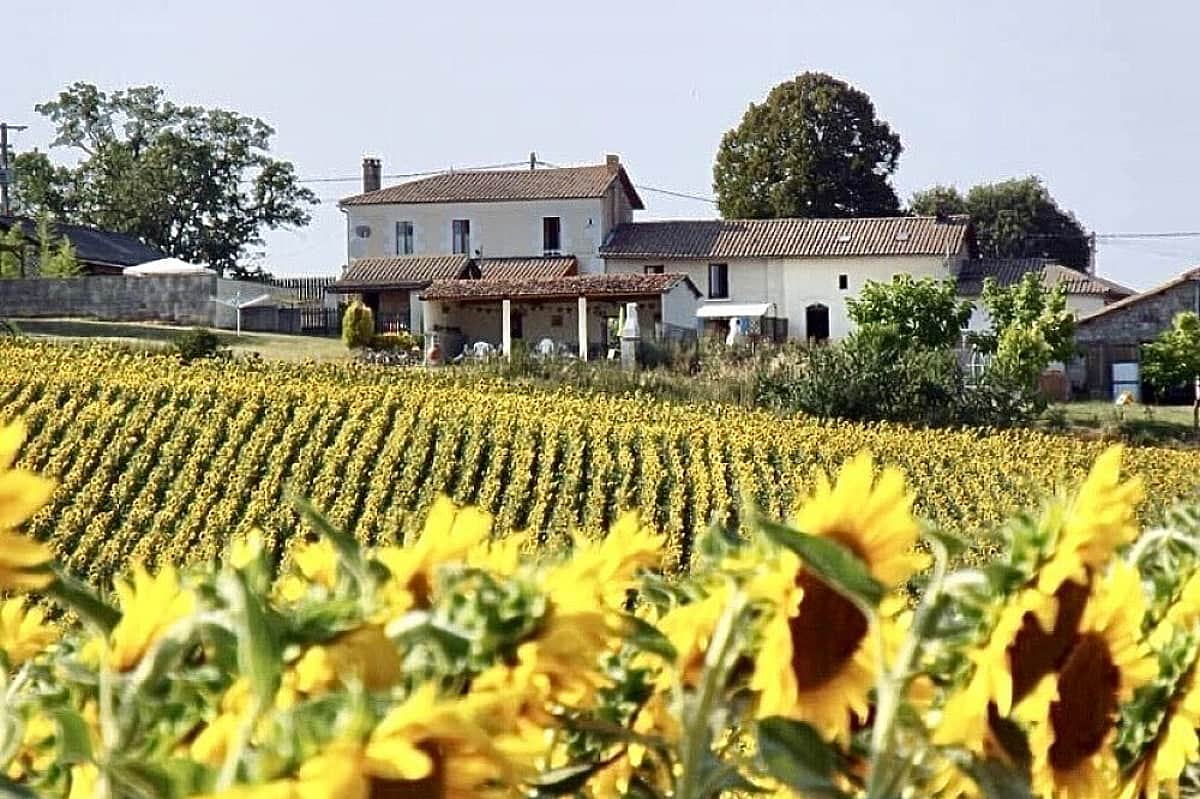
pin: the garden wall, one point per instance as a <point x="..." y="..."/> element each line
<point x="182" y="299"/>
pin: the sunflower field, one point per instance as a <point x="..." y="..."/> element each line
<point x="157" y="462"/>
<point x="826" y="655"/>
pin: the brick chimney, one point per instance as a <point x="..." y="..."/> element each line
<point x="613" y="162"/>
<point x="372" y="174"/>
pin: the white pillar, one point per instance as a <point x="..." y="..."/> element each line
<point x="583" y="329"/>
<point x="506" y="327"/>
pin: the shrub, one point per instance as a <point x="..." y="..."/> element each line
<point x="358" y="326"/>
<point x="392" y="342"/>
<point x="199" y="342"/>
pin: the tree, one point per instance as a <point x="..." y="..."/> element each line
<point x="813" y="148"/>
<point x="62" y="261"/>
<point x="923" y="313"/>
<point x="1013" y="219"/>
<point x="196" y="182"/>
<point x="358" y="325"/>
<point x="1028" y="305"/>
<point x="12" y="249"/>
<point x="1173" y="359"/>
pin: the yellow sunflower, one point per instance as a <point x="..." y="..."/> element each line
<point x="149" y="606"/>
<point x="22" y="493"/>
<point x="1072" y="713"/>
<point x="23" y="632"/>
<point x="1175" y="747"/>
<point x="450" y="534"/>
<point x="1101" y="518"/>
<point x="601" y="572"/>
<point x="817" y="656"/>
<point x="690" y="628"/>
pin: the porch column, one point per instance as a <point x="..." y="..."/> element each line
<point x="583" y="329"/>
<point x="506" y="327"/>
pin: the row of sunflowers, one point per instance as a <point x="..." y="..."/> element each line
<point x="835" y="654"/>
<point x="162" y="463"/>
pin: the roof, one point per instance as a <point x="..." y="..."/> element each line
<point x="517" y="268"/>
<point x="559" y="183"/>
<point x="399" y="272"/>
<point x="1009" y="271"/>
<point x="93" y="245"/>
<point x="782" y="238"/>
<point x="593" y="286"/>
<point x="1191" y="275"/>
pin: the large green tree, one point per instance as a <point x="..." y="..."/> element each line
<point x="1173" y="359"/>
<point x="1013" y="219"/>
<point x="198" y="183"/>
<point x="813" y="148"/>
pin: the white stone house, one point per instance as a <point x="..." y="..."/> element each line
<point x="1086" y="293"/>
<point x="799" y="270"/>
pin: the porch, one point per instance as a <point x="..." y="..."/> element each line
<point x="576" y="316"/>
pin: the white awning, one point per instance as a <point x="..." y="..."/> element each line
<point x="168" y="266"/>
<point x="726" y="310"/>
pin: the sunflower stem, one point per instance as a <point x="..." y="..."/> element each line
<point x="887" y="769"/>
<point x="696" y="726"/>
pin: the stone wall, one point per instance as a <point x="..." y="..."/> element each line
<point x="1141" y="321"/>
<point x="1117" y="335"/>
<point x="182" y="299"/>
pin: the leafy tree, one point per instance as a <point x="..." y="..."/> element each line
<point x="45" y="242"/>
<point x="813" y="148"/>
<point x="1028" y="305"/>
<point x="1173" y="359"/>
<point x="62" y="261"/>
<point x="1013" y="219"/>
<point x="11" y="248"/>
<point x="923" y="313"/>
<point x="196" y="182"/>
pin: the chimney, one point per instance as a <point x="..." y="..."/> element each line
<point x="372" y="174"/>
<point x="613" y="162"/>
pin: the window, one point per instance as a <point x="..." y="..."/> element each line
<point x="654" y="269"/>
<point x="551" y="234"/>
<point x="404" y="238"/>
<point x="556" y="320"/>
<point x="460" y="232"/>
<point x="718" y="281"/>
<point x="843" y="282"/>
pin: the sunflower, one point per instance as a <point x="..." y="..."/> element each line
<point x="149" y="606"/>
<point x="602" y="572"/>
<point x="22" y="493"/>
<point x="690" y="628"/>
<point x="1175" y="747"/>
<point x="1072" y="713"/>
<point x="23" y="632"/>
<point x="450" y="534"/>
<point x="1035" y="630"/>
<point x="817" y="658"/>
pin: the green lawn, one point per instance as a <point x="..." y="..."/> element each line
<point x="272" y="346"/>
<point x="1137" y="423"/>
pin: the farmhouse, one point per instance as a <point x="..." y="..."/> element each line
<point x="1086" y="293"/>
<point x="99" y="252"/>
<point x="790" y="276"/>
<point x="1111" y="338"/>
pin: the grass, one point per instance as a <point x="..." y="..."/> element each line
<point x="1161" y="424"/>
<point x="271" y="346"/>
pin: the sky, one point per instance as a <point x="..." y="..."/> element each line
<point x="1099" y="99"/>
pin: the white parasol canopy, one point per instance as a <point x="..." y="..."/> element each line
<point x="167" y="266"/>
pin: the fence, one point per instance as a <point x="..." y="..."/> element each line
<point x="307" y="290"/>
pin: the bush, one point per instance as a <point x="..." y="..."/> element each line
<point x="393" y="342"/>
<point x="197" y="343"/>
<point x="358" y="326"/>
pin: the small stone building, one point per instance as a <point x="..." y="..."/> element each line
<point x="1111" y="339"/>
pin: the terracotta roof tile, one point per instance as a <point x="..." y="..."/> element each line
<point x="400" y="272"/>
<point x="1009" y="271"/>
<point x="607" y="285"/>
<point x="561" y="183"/>
<point x="516" y="268"/>
<point x="781" y="238"/>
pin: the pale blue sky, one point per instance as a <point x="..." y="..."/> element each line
<point x="1099" y="98"/>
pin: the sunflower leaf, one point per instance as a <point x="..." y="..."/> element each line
<point x="258" y="649"/>
<point x="13" y="790"/>
<point x="347" y="548"/>
<point x="648" y="638"/>
<point x="837" y="566"/>
<point x="795" y="754"/>
<point x="73" y="740"/>
<point x="996" y="781"/>
<point x="566" y="780"/>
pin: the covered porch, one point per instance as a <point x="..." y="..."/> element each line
<point x="759" y="320"/>
<point x="576" y="316"/>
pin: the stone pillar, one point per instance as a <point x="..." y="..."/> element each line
<point x="631" y="336"/>
<point x="506" y="327"/>
<point x="583" y="329"/>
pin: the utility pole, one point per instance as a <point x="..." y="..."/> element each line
<point x="5" y="172"/>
